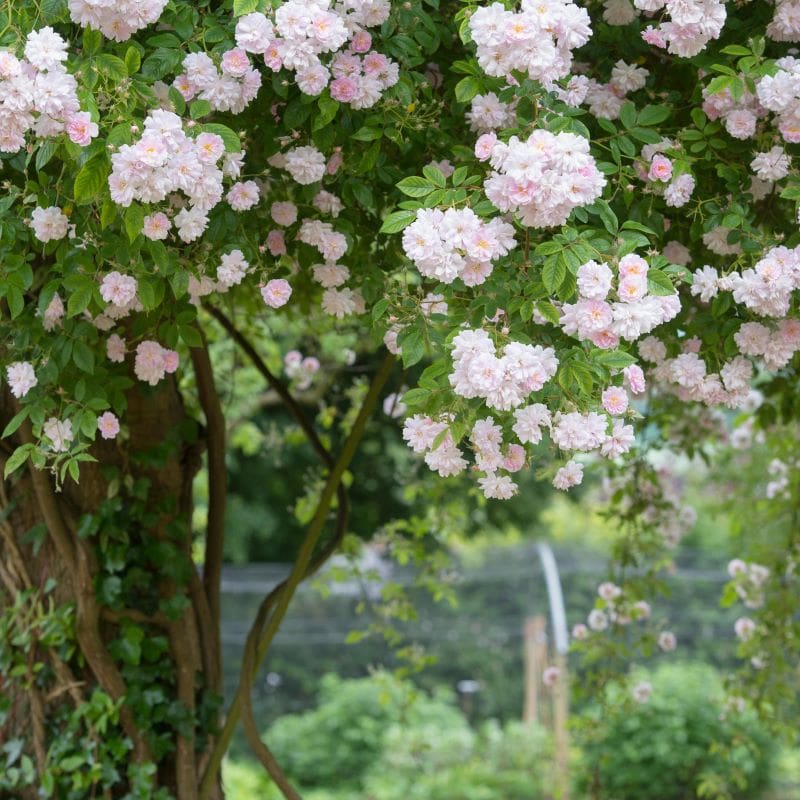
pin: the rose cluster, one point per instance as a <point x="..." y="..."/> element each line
<point x="692" y="24"/>
<point x="780" y="93"/>
<point x="230" y="88"/>
<point x="632" y="314"/>
<point x="605" y="99"/>
<point x="299" y="370"/>
<point x="166" y="160"/>
<point x="456" y="243"/>
<point x="38" y="93"/>
<point x="538" y="39"/>
<point x="302" y="31"/>
<point x="542" y="178"/>
<point x="502" y="382"/>
<point x="118" y="20"/>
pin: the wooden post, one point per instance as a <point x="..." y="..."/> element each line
<point x="535" y="653"/>
<point x="560" y="716"/>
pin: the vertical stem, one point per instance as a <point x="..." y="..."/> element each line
<point x="299" y="569"/>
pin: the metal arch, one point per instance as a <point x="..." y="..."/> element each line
<point x="558" y="614"/>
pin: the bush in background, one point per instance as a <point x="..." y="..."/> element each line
<point x="681" y="744"/>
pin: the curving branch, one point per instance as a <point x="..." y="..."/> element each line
<point x="277" y="602"/>
<point x="87" y="624"/>
<point x="217" y="495"/>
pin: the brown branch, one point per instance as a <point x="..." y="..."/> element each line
<point x="261" y="634"/>
<point x="217" y="491"/>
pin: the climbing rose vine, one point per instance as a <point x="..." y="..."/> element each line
<point x="574" y="225"/>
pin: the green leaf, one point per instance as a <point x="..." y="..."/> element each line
<point x="133" y="60"/>
<point x="91" y="179"/>
<point x="134" y="219"/>
<point x="199" y="109"/>
<point x="613" y="359"/>
<point x="416" y="397"/>
<point x="328" y="107"/>
<point x="632" y="225"/>
<point x="17" y="459"/>
<point x="467" y="88"/>
<point x="414" y="186"/>
<point x="367" y="134"/>
<point x="658" y="283"/>
<point x="435" y="176"/>
<point x="16" y="421"/>
<point x="113" y="66"/>
<point x="652" y="115"/>
<point x="607" y="216"/>
<point x="79" y="300"/>
<point x="242" y="7"/>
<point x="627" y="114"/>
<point x="548" y="311"/>
<point x="398" y="220"/>
<point x="83" y="356"/>
<point x="191" y="336"/>
<point x="553" y="273"/>
<point x="412" y="345"/>
<point x="47" y="149"/>
<point x="735" y="50"/>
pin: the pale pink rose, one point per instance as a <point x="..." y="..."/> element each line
<point x="275" y="243"/>
<point x="277" y="292"/>
<point x="660" y="169"/>
<point x="361" y="42"/>
<point x="81" y="129"/>
<point x="634" y="378"/>
<point x="615" y="400"/>
<point x="115" y="348"/>
<point x="485" y="145"/>
<point x="108" y="425"/>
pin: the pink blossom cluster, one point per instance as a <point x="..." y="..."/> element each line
<point x="153" y="362"/>
<point x="778" y="485"/>
<point x="232" y="270"/>
<point x="54" y="313"/>
<point x="687" y="376"/>
<point x="616" y="608"/>
<point x="662" y="492"/>
<point x="537" y="40"/>
<point x="166" y="160"/>
<point x="775" y="343"/>
<point x="739" y="116"/>
<point x="659" y="171"/>
<point x="767" y="288"/>
<point x="422" y="432"/>
<point x="456" y="243"/>
<point x="785" y="24"/>
<point x="299" y="370"/>
<point x="305" y="164"/>
<point x="118" y="20"/>
<point x="304" y="30"/>
<point x="632" y="314"/>
<point x="780" y="93"/>
<point x="605" y="99"/>
<point x="488" y="113"/>
<point x="502" y="382"/>
<point x="231" y="87"/>
<point x="543" y="178"/>
<point x="749" y="580"/>
<point x="692" y="24"/>
<point x="37" y="93"/>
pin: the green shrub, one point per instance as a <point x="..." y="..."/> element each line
<point x="679" y="745"/>
<point x="336" y="743"/>
<point x="381" y="739"/>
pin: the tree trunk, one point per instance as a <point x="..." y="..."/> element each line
<point x="118" y="548"/>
